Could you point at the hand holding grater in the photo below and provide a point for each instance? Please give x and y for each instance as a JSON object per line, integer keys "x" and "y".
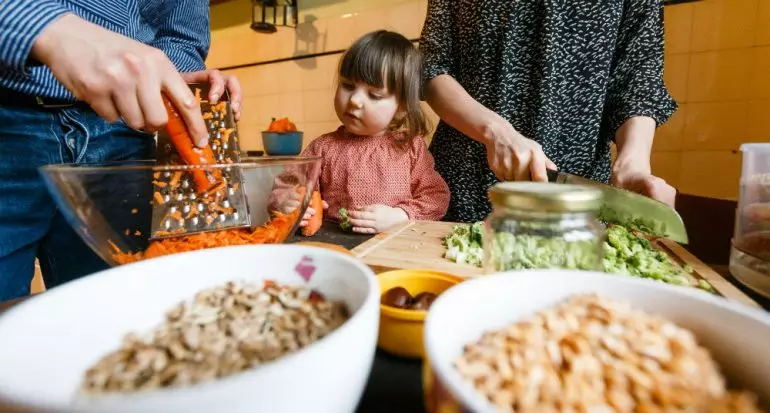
{"x": 191, "y": 197}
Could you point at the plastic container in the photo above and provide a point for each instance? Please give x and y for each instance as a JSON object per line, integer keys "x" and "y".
{"x": 401, "y": 331}
{"x": 750, "y": 253}
{"x": 282, "y": 144}
{"x": 543, "y": 225}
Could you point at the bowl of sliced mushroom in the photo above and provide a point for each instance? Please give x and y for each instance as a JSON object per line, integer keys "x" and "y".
{"x": 274, "y": 328}
{"x": 558, "y": 341}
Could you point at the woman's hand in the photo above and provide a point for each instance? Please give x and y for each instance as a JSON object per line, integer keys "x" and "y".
{"x": 373, "y": 219}
{"x": 513, "y": 157}
{"x": 219, "y": 83}
{"x": 631, "y": 169}
{"x": 646, "y": 184}
{"x": 293, "y": 202}
{"x": 117, "y": 76}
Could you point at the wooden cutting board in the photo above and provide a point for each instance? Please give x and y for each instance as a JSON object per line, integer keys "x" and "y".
{"x": 412, "y": 245}
{"x": 418, "y": 245}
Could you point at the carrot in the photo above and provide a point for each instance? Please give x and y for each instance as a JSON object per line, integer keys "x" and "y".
{"x": 282, "y": 125}
{"x": 314, "y": 223}
{"x": 180, "y": 138}
{"x": 273, "y": 232}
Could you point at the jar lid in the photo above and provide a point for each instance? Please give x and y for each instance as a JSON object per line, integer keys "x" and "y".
{"x": 546, "y": 197}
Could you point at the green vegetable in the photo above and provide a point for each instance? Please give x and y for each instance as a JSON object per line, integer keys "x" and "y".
{"x": 345, "y": 224}
{"x": 631, "y": 254}
{"x": 704, "y": 285}
{"x": 465, "y": 244}
{"x": 518, "y": 252}
{"x": 637, "y": 224}
{"x": 625, "y": 253}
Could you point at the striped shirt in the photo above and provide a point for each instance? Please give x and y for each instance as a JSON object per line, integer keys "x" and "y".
{"x": 178, "y": 27}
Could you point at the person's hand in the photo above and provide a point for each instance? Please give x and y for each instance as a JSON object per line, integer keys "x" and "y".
{"x": 219, "y": 83}
{"x": 373, "y": 219}
{"x": 646, "y": 184}
{"x": 513, "y": 157}
{"x": 117, "y": 76}
{"x": 293, "y": 202}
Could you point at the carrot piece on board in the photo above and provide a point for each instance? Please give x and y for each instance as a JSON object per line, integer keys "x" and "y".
{"x": 314, "y": 223}
{"x": 191, "y": 155}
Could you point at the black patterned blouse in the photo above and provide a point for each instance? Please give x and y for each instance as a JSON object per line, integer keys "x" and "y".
{"x": 565, "y": 73}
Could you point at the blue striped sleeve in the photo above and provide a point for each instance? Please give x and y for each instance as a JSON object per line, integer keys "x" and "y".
{"x": 21, "y": 22}
{"x": 185, "y": 36}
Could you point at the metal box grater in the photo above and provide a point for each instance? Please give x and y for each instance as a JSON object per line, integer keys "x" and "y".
{"x": 176, "y": 207}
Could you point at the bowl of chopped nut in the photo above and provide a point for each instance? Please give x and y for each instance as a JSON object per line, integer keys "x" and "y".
{"x": 563, "y": 340}
{"x": 274, "y": 328}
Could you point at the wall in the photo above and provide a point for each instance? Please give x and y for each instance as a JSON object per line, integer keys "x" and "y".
{"x": 303, "y": 89}
{"x": 717, "y": 67}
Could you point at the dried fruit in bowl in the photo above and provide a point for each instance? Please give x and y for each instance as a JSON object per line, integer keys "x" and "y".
{"x": 282, "y": 125}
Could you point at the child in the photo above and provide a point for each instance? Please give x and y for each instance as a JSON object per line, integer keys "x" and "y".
{"x": 376, "y": 165}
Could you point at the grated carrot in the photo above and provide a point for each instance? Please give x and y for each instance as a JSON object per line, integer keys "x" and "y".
{"x": 273, "y": 232}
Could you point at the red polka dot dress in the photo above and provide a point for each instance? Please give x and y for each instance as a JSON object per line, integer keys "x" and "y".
{"x": 391, "y": 169}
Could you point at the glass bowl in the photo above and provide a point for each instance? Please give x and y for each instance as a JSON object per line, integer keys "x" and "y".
{"x": 111, "y": 205}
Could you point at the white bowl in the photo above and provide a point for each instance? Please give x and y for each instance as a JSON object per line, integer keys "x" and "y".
{"x": 736, "y": 335}
{"x": 48, "y": 341}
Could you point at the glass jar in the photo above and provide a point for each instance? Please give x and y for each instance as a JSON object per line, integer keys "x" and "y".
{"x": 543, "y": 225}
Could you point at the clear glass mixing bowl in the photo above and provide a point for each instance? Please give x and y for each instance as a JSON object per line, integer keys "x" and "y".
{"x": 111, "y": 205}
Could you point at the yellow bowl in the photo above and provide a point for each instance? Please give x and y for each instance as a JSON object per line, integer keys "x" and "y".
{"x": 401, "y": 330}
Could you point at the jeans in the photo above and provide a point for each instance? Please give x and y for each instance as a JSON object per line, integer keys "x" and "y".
{"x": 30, "y": 225}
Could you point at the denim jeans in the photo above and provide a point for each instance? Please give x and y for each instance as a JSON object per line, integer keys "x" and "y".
{"x": 30, "y": 225}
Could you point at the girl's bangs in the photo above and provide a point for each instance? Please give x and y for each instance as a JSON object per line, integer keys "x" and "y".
{"x": 369, "y": 65}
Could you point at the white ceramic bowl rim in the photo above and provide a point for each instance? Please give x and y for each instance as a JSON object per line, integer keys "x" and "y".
{"x": 473, "y": 400}
{"x": 372, "y": 299}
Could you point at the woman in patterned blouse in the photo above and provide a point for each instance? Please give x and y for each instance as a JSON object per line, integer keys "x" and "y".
{"x": 522, "y": 85}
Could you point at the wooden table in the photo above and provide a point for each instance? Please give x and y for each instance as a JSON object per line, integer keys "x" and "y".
{"x": 419, "y": 244}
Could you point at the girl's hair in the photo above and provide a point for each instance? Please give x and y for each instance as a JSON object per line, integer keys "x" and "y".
{"x": 388, "y": 59}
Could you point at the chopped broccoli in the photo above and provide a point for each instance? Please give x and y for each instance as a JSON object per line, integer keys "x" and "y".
{"x": 631, "y": 254}
{"x": 465, "y": 244}
{"x": 345, "y": 224}
{"x": 625, "y": 253}
{"x": 609, "y": 215}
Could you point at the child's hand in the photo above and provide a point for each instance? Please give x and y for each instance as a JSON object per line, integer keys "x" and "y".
{"x": 293, "y": 202}
{"x": 375, "y": 218}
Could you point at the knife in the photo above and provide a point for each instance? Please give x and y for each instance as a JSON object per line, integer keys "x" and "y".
{"x": 630, "y": 209}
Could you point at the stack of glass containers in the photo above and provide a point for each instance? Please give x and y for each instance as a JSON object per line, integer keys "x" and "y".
{"x": 750, "y": 253}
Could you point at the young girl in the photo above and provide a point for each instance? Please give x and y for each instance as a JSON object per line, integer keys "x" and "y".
{"x": 376, "y": 165}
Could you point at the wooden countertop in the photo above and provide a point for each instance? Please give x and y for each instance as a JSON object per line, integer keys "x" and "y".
{"x": 709, "y": 222}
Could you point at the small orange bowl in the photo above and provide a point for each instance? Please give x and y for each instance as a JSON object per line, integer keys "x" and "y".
{"x": 401, "y": 330}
